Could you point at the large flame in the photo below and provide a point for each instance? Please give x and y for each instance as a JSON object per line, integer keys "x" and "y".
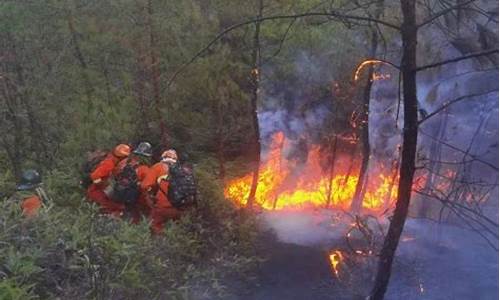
{"x": 286, "y": 184}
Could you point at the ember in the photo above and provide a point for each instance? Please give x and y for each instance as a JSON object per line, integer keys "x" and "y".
{"x": 335, "y": 259}
{"x": 379, "y": 76}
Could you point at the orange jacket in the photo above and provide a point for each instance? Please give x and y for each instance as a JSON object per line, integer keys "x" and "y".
{"x": 105, "y": 168}
{"x": 155, "y": 172}
{"x": 31, "y": 205}
{"x": 154, "y": 180}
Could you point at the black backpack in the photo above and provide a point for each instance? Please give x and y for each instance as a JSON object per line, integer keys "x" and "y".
{"x": 126, "y": 188}
{"x": 182, "y": 185}
{"x": 91, "y": 162}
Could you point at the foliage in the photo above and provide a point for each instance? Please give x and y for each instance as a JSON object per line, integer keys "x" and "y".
{"x": 75, "y": 253}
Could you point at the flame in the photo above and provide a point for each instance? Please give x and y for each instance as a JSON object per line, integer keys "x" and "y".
{"x": 285, "y": 184}
{"x": 336, "y": 258}
{"x": 364, "y": 64}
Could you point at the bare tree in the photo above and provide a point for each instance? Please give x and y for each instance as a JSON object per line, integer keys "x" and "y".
{"x": 357, "y": 200}
{"x": 256, "y": 60}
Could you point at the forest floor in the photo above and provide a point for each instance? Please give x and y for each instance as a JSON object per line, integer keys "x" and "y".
{"x": 434, "y": 262}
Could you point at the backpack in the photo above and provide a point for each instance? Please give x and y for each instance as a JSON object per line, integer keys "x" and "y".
{"x": 91, "y": 162}
{"x": 182, "y": 185}
{"x": 126, "y": 188}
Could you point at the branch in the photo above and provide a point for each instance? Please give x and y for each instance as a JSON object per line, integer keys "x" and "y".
{"x": 278, "y": 17}
{"x": 457, "y": 59}
{"x": 448, "y": 103}
{"x": 372, "y": 61}
{"x": 444, "y": 12}
{"x": 460, "y": 150}
{"x": 282, "y": 41}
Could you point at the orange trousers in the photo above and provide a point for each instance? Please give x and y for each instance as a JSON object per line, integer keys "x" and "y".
{"x": 95, "y": 193}
{"x": 162, "y": 210}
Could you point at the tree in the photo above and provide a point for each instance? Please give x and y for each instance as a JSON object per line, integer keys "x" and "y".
{"x": 409, "y": 148}
{"x": 256, "y": 75}
{"x": 357, "y": 201}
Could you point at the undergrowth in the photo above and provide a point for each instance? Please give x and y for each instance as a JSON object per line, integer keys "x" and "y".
{"x": 69, "y": 251}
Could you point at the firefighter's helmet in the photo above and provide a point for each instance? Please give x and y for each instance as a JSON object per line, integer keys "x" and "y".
{"x": 29, "y": 179}
{"x": 144, "y": 149}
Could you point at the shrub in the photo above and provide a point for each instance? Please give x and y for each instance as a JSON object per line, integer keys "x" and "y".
{"x": 72, "y": 252}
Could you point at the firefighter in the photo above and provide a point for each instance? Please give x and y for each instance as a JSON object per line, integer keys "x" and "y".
{"x": 101, "y": 189}
{"x": 30, "y": 193}
{"x": 140, "y": 160}
{"x": 156, "y": 184}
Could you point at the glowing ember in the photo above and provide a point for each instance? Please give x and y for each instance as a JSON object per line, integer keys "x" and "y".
{"x": 335, "y": 259}
{"x": 379, "y": 76}
{"x": 408, "y": 239}
{"x": 364, "y": 64}
{"x": 287, "y": 184}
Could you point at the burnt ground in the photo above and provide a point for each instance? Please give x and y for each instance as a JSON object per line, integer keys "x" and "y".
{"x": 293, "y": 272}
{"x": 432, "y": 263}
{"x": 290, "y": 271}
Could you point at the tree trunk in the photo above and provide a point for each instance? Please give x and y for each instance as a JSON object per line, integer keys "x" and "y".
{"x": 85, "y": 78}
{"x": 13, "y": 146}
{"x": 349, "y": 171}
{"x": 434, "y": 165}
{"x": 220, "y": 141}
{"x": 407, "y": 168}
{"x": 332, "y": 172}
{"x": 357, "y": 201}
{"x": 142, "y": 126}
{"x": 394, "y": 170}
{"x": 254, "y": 100}
{"x": 280, "y": 169}
{"x": 155, "y": 77}
{"x": 359, "y": 194}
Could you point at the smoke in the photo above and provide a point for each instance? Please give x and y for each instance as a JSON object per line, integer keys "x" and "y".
{"x": 299, "y": 103}
{"x": 291, "y": 124}
{"x": 305, "y": 227}
{"x": 434, "y": 261}
{"x": 437, "y": 261}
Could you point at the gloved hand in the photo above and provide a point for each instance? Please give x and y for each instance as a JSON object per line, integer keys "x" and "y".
{"x": 160, "y": 178}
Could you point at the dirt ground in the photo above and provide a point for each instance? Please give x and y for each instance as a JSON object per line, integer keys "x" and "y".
{"x": 432, "y": 263}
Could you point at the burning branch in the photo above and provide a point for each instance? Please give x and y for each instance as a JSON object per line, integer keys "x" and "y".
{"x": 367, "y": 62}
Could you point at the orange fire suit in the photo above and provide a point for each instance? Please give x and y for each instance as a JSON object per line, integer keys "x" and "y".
{"x": 30, "y": 201}
{"x": 31, "y": 205}
{"x": 161, "y": 209}
{"x": 141, "y": 207}
{"x": 95, "y": 192}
